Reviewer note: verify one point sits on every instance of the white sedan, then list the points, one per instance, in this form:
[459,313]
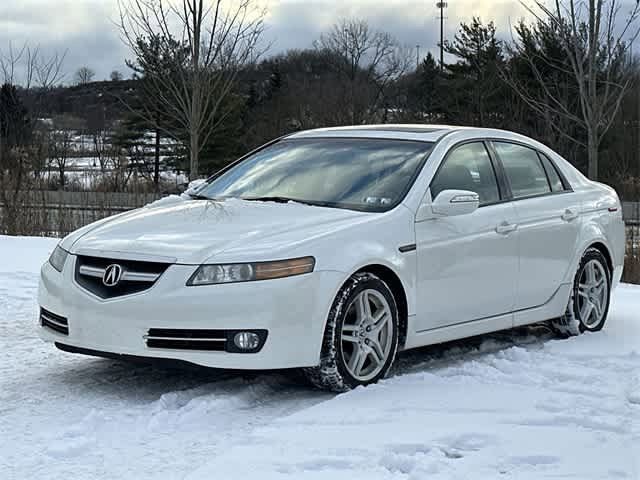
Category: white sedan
[333,249]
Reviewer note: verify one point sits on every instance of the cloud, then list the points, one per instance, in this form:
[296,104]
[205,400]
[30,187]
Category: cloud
[83,29]
[86,29]
[296,23]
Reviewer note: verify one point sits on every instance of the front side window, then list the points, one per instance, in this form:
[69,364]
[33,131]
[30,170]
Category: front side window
[468,167]
[523,169]
[360,174]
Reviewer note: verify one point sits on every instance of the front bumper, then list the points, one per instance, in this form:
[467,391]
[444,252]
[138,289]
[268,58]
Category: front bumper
[293,310]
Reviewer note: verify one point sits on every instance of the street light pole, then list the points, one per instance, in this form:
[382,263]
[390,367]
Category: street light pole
[442,5]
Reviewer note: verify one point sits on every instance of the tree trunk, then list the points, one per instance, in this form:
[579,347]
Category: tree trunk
[592,154]
[194,154]
[156,163]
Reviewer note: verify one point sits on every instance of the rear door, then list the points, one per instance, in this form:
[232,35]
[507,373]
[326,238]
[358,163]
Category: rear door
[548,221]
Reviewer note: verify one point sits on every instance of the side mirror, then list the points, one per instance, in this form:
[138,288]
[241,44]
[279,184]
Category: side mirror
[449,203]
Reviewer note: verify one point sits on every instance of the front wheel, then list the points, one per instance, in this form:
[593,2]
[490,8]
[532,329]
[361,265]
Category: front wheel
[361,337]
[590,297]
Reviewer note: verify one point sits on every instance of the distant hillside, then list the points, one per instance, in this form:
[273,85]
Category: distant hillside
[80,101]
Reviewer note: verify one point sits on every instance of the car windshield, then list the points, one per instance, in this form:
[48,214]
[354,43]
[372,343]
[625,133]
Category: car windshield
[360,174]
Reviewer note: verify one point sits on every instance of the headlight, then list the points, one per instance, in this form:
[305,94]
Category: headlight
[248,272]
[58,257]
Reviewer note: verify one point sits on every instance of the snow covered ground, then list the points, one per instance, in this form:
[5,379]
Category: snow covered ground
[514,405]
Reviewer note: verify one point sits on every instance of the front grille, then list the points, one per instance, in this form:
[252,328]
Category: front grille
[212,340]
[205,339]
[54,322]
[136,276]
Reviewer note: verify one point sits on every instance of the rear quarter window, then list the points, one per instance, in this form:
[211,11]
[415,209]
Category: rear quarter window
[555,180]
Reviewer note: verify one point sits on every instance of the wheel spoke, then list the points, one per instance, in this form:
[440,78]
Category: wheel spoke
[591,273]
[349,338]
[349,328]
[376,352]
[355,358]
[583,290]
[359,364]
[586,311]
[380,322]
[379,314]
[363,307]
[597,308]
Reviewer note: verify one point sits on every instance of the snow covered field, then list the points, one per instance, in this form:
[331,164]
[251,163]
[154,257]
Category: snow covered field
[514,405]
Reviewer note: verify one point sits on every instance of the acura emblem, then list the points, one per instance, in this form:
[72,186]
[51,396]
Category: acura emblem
[112,275]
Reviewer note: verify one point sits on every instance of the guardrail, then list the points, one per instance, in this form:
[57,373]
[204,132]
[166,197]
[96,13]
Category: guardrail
[631,213]
[59,212]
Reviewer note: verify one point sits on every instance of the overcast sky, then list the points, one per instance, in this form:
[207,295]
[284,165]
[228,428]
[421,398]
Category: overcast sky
[86,30]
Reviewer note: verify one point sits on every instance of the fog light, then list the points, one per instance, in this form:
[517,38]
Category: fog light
[246,340]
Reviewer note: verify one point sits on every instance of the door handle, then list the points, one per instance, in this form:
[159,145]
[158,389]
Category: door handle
[505,228]
[569,215]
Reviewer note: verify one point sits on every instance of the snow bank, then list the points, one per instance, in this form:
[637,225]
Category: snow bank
[517,405]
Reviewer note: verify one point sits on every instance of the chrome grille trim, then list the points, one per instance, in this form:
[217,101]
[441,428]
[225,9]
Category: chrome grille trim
[135,276]
[127,276]
[91,271]
[54,322]
[139,276]
[188,339]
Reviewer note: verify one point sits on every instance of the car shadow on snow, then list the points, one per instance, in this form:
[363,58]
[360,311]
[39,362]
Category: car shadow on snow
[146,381]
[460,351]
[140,381]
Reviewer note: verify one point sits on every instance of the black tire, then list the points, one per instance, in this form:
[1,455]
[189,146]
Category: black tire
[571,323]
[332,372]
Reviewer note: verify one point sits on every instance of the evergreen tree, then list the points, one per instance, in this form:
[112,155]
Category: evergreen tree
[476,91]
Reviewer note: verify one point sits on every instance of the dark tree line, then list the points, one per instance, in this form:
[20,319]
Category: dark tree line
[354,74]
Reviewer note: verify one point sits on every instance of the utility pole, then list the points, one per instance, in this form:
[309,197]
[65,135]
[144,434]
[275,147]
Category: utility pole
[442,5]
[417,57]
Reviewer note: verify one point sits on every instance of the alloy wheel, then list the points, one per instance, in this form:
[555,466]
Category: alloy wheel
[367,336]
[592,293]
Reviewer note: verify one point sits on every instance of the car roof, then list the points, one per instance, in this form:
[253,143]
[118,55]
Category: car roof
[424,133]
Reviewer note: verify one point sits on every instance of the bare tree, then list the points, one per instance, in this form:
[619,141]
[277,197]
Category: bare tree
[60,144]
[83,76]
[369,60]
[207,44]
[116,76]
[595,37]
[22,144]
[30,68]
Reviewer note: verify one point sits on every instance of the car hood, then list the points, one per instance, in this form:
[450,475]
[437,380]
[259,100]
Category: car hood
[191,232]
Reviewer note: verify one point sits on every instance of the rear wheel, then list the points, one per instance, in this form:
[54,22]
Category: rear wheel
[590,297]
[361,337]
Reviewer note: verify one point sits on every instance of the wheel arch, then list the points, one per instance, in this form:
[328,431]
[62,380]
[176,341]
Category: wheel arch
[602,248]
[392,279]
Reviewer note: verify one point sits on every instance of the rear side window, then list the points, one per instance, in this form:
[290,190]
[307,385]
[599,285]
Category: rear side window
[468,167]
[524,170]
[552,173]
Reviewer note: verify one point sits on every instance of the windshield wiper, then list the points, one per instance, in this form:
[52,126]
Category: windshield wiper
[276,199]
[279,199]
[196,196]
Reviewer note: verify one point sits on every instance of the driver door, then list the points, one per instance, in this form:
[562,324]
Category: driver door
[468,264]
